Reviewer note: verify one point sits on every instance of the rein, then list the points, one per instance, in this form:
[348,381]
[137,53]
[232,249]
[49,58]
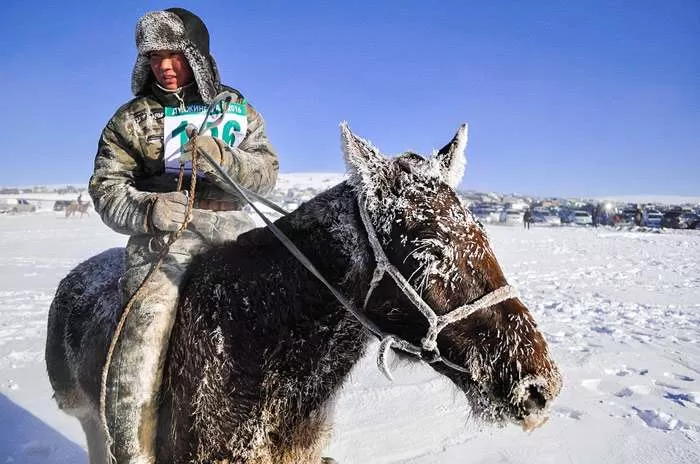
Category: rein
[162,253]
[428,351]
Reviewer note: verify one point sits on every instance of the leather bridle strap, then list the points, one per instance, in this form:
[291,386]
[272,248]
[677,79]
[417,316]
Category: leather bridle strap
[436,323]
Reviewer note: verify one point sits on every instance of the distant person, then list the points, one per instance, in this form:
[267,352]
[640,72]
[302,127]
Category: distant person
[596,214]
[133,188]
[527,218]
[638,217]
[80,198]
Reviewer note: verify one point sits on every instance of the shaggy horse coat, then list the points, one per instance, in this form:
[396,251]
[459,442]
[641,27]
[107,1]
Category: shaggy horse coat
[260,347]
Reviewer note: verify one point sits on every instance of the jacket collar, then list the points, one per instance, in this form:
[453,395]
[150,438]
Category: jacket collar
[183,96]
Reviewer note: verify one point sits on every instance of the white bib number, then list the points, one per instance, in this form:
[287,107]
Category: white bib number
[231,130]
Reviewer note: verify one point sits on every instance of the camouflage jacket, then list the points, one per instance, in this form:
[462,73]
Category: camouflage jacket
[130,170]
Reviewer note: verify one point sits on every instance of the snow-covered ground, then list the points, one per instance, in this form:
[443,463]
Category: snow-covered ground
[621,310]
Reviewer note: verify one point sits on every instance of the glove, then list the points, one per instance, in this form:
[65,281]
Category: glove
[169,211]
[210,145]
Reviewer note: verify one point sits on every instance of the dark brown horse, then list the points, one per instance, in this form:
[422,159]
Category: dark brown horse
[260,347]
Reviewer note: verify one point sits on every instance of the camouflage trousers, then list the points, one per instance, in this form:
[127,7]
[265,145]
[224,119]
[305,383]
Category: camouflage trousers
[137,365]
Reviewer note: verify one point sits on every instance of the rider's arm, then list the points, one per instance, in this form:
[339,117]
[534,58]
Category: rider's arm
[120,205]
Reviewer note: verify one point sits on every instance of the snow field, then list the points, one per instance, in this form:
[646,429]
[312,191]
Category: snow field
[620,309]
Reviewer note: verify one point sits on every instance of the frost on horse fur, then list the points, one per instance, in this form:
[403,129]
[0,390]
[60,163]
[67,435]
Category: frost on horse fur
[260,347]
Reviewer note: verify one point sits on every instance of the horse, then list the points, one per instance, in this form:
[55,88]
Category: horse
[76,207]
[260,346]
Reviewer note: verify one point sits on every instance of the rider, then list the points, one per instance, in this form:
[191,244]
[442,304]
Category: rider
[133,188]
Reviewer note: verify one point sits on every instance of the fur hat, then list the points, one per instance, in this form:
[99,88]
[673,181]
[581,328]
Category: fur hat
[179,30]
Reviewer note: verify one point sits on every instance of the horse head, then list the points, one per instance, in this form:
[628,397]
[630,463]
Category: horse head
[491,350]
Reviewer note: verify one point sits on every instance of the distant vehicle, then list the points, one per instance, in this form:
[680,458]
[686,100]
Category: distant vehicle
[512,216]
[60,205]
[652,218]
[487,214]
[16,205]
[689,221]
[628,214]
[6,204]
[564,216]
[678,219]
[579,217]
[546,218]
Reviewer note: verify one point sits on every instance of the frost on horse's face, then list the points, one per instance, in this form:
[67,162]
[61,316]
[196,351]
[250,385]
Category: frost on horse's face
[444,253]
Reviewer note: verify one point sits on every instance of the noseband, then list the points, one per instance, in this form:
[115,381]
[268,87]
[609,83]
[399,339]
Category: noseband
[428,351]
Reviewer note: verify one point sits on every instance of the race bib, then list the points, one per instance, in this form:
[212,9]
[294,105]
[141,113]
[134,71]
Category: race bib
[231,130]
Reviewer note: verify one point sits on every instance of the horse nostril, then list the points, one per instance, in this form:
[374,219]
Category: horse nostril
[535,400]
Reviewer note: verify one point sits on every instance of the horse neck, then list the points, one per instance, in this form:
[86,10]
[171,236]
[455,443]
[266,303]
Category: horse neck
[329,232]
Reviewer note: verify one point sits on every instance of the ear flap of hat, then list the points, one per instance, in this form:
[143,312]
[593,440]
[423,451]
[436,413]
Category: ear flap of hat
[205,72]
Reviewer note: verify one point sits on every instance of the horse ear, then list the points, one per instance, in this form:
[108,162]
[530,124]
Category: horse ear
[362,159]
[452,159]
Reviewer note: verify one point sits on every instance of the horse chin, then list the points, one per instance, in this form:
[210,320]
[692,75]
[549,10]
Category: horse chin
[525,406]
[485,407]
[490,411]
[532,422]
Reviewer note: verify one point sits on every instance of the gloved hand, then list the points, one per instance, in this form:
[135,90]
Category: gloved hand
[212,146]
[169,211]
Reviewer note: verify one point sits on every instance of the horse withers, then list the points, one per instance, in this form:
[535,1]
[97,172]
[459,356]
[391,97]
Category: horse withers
[260,346]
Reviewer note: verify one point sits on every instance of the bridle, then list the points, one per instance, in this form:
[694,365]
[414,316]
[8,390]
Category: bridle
[428,351]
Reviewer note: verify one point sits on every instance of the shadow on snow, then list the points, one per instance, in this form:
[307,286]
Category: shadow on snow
[27,439]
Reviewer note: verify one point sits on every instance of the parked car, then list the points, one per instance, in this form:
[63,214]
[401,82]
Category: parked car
[689,221]
[487,214]
[580,217]
[6,205]
[652,218]
[564,216]
[546,218]
[16,205]
[679,219]
[512,216]
[60,205]
[628,215]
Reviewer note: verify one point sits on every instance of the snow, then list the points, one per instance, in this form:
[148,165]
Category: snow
[301,180]
[620,309]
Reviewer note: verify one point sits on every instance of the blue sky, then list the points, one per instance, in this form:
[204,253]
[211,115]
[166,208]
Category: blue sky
[563,98]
